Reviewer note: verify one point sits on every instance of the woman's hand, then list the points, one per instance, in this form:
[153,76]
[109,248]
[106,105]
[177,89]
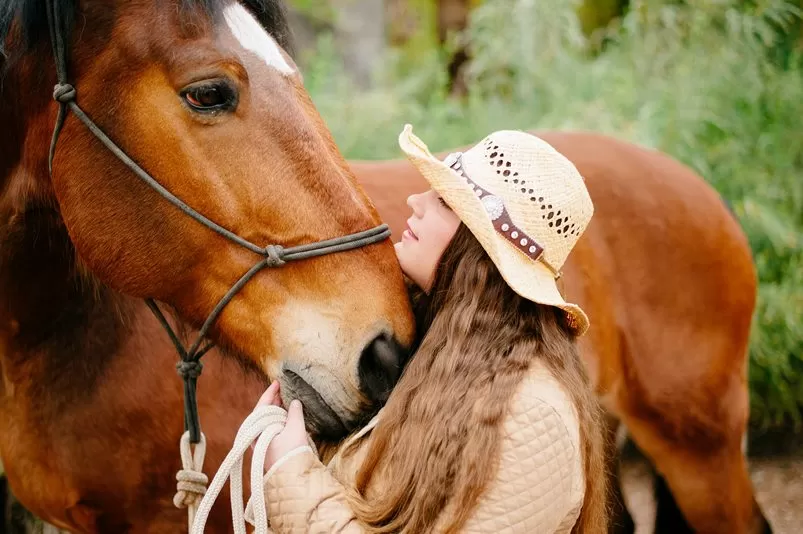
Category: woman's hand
[293,435]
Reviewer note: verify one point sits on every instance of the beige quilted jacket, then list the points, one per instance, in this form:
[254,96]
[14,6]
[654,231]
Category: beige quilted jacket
[539,486]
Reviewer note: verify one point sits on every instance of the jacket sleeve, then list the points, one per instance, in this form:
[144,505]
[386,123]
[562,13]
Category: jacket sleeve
[303,497]
[538,486]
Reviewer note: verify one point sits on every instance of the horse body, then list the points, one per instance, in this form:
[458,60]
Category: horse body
[666,276]
[102,458]
[91,408]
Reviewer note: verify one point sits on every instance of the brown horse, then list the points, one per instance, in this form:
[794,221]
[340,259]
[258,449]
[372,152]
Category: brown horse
[90,407]
[202,95]
[666,276]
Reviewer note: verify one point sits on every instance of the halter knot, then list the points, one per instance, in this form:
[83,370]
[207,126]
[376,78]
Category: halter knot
[190,489]
[64,93]
[189,369]
[274,255]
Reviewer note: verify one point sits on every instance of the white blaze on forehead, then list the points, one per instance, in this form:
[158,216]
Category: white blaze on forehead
[253,37]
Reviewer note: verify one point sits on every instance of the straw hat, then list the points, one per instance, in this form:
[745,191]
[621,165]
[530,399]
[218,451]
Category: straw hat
[523,201]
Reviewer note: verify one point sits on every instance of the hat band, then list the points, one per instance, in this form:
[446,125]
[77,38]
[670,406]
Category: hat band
[500,218]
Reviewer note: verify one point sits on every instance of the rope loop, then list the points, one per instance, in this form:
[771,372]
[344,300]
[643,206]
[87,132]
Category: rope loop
[64,93]
[262,425]
[190,488]
[189,369]
[191,481]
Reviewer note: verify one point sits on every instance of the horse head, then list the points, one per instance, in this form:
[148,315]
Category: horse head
[203,96]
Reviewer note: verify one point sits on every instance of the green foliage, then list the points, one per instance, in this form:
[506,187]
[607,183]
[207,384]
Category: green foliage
[320,10]
[597,14]
[700,83]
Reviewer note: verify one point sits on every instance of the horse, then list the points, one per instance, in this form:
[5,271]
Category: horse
[86,368]
[183,180]
[666,276]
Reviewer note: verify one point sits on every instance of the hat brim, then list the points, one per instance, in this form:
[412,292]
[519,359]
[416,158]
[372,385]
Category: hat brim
[531,279]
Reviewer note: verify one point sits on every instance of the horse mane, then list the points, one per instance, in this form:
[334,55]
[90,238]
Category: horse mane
[30,19]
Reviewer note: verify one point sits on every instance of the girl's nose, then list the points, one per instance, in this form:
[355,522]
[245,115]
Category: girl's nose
[413,201]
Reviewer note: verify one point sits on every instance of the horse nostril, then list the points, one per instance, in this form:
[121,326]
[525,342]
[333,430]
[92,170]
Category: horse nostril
[381,364]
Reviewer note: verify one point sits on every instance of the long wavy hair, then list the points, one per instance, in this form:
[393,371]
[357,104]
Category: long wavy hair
[442,422]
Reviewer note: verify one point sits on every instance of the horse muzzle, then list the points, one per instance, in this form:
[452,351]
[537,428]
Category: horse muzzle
[380,367]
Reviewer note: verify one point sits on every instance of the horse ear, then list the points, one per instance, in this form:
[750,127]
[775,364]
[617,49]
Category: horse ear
[272,15]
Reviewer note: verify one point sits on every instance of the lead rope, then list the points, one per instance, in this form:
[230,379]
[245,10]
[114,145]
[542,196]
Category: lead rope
[262,425]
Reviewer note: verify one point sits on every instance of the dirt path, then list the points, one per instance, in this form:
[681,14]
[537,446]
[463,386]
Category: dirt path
[778,482]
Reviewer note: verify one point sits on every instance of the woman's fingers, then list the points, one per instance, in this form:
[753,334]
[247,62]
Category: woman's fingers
[271,396]
[295,418]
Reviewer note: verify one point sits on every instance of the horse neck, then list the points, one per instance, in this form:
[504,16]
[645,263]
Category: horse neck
[59,325]
[59,328]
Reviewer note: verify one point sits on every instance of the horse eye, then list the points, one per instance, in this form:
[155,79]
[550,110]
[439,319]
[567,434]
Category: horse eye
[210,97]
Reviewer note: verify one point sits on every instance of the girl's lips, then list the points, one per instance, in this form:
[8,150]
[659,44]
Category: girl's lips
[410,234]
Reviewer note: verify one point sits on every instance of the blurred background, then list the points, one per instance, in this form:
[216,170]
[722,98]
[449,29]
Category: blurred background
[717,84]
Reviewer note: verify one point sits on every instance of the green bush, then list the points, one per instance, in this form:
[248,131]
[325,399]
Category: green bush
[701,84]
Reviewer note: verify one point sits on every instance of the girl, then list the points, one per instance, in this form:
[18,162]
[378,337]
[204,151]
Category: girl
[493,426]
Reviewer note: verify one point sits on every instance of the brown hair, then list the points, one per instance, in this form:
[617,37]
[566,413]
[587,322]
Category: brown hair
[443,420]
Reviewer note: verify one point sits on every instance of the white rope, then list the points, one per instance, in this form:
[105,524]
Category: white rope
[264,423]
[192,482]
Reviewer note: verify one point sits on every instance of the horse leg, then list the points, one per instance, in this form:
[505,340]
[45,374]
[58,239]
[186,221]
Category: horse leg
[710,484]
[668,517]
[620,521]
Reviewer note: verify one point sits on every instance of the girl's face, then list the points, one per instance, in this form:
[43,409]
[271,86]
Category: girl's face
[429,230]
